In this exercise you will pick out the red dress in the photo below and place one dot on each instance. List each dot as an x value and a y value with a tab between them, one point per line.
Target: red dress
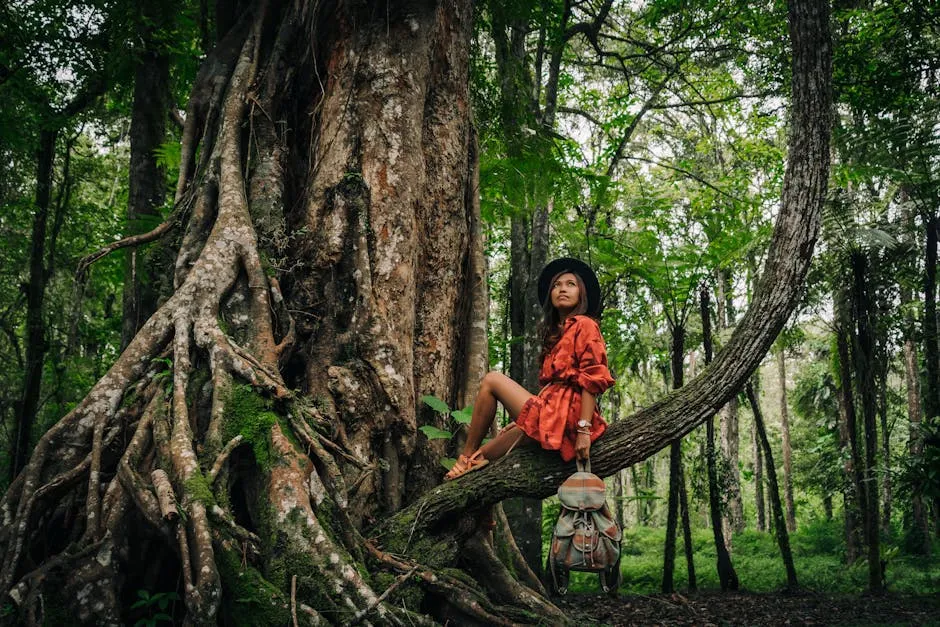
577	362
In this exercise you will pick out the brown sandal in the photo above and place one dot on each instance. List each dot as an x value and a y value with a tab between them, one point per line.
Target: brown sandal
465	464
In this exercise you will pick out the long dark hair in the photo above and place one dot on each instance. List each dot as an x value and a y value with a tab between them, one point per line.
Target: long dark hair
550	326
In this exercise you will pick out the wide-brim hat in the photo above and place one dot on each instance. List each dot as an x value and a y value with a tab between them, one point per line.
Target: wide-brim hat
570	264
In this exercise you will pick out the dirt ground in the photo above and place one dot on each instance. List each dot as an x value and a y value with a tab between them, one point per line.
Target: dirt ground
743	608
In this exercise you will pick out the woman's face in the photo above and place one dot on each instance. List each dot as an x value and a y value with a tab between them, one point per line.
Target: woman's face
565	293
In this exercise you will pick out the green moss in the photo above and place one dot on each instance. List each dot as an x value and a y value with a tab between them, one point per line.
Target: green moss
436	551
251	416
199	489
504	552
248	597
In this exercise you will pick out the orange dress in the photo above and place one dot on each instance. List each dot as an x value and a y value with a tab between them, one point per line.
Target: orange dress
577	362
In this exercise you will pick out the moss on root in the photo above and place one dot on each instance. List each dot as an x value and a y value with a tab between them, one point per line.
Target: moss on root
250	415
198	488
249	598
436	551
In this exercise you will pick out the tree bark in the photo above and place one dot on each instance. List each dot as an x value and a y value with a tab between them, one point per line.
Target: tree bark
783	537
758	480
686	527
727	576
677	355
853	494
863	364
147	187
785	435
931	346
919	531
733	519
36	346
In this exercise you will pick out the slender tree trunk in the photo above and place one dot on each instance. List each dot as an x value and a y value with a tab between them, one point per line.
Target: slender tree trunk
36	345
783	538
677	354
730	437
758	480
918	533
147	184
672	517
524	514
619	495
686	528
931	347
726	573
864	365
885	432
853	494
787	449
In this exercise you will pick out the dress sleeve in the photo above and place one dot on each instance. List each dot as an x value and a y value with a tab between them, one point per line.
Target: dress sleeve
591	372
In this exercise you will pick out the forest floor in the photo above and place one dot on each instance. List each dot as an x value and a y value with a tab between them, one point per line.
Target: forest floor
751	608
831	592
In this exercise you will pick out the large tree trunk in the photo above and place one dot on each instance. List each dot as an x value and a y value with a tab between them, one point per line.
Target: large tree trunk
783	537
785	436
727	576
283	409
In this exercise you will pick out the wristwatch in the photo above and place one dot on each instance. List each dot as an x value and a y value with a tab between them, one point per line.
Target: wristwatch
584	424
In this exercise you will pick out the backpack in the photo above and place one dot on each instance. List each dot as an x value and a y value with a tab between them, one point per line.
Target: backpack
586	537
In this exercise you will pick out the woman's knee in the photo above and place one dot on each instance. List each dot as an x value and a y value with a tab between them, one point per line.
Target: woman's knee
490	381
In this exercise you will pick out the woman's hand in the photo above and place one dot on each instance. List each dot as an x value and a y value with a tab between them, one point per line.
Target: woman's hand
582	446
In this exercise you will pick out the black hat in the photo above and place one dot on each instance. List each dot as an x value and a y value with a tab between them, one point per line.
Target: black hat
570	264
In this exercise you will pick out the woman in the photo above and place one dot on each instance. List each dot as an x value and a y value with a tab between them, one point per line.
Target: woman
563	416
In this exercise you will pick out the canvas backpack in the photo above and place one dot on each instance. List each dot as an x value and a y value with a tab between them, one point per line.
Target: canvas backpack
586	537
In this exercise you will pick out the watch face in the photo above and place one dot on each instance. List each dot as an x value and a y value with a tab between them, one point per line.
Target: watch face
584	423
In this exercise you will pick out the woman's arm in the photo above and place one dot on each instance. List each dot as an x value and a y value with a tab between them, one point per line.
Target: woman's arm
582	445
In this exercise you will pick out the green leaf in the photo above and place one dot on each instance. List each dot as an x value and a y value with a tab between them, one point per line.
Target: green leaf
436	404
464	415
433	433
141	603
448	462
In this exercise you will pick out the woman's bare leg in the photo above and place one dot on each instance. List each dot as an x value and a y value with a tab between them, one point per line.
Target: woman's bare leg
495	387
507	440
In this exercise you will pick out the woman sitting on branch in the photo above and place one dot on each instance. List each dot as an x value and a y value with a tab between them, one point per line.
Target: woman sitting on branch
563	416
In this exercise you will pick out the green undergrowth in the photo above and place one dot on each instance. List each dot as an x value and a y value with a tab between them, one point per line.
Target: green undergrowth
818	555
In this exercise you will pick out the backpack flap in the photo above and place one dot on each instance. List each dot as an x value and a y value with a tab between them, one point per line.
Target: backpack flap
583	491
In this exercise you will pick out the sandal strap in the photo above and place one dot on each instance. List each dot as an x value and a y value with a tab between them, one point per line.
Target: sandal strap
465	464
